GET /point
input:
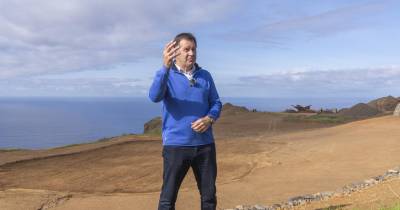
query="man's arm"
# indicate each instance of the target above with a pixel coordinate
(214, 101)
(159, 86)
(202, 124)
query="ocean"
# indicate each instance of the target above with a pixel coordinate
(39, 122)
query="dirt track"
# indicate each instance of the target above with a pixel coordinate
(263, 169)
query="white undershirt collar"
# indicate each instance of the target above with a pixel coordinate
(188, 74)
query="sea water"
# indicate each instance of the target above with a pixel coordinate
(36, 123)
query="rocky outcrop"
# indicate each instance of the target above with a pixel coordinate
(153, 126)
(359, 111)
(384, 104)
(55, 201)
(373, 108)
(397, 110)
(229, 109)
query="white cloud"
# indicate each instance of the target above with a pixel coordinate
(53, 36)
(351, 82)
(74, 87)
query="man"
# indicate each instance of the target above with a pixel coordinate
(190, 106)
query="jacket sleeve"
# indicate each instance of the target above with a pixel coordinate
(214, 101)
(158, 88)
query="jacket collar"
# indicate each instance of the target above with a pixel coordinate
(196, 68)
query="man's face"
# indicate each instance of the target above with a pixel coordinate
(187, 55)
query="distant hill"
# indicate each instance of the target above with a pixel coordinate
(238, 120)
(359, 111)
(229, 108)
(153, 126)
(385, 104)
(373, 108)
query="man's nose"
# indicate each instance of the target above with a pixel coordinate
(191, 52)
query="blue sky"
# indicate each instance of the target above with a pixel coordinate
(286, 48)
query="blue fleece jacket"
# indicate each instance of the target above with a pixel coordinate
(184, 103)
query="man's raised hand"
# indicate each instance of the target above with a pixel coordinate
(169, 53)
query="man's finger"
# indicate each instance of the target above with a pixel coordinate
(194, 125)
(203, 129)
(197, 121)
(173, 51)
(170, 46)
(169, 43)
(199, 129)
(173, 56)
(206, 128)
(200, 124)
(167, 49)
(197, 126)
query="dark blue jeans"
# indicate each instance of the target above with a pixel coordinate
(177, 161)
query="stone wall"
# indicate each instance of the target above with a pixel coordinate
(346, 190)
